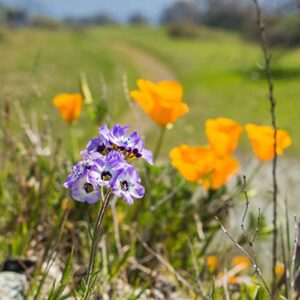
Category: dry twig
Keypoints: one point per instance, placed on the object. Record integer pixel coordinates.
(296, 240)
(268, 73)
(247, 203)
(253, 260)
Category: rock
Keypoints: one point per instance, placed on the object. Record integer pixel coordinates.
(12, 286)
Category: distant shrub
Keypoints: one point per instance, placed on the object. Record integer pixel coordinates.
(183, 30)
(16, 17)
(285, 32)
(97, 19)
(44, 22)
(181, 12)
(138, 19)
(283, 29)
(228, 15)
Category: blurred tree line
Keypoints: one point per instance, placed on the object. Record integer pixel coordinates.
(283, 23)
(184, 17)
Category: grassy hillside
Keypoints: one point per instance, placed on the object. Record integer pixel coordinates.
(219, 71)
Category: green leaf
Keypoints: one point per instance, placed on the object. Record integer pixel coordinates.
(262, 294)
(85, 89)
(120, 266)
(65, 279)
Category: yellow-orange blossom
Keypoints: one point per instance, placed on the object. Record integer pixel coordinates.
(211, 166)
(162, 101)
(69, 106)
(200, 164)
(262, 139)
(223, 135)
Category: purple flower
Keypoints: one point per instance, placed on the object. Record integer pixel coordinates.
(85, 190)
(106, 164)
(128, 185)
(82, 187)
(106, 170)
(116, 139)
(91, 157)
(97, 145)
(131, 145)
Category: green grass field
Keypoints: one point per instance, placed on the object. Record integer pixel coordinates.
(220, 73)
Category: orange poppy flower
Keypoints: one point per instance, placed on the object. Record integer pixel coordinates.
(223, 169)
(212, 262)
(279, 269)
(262, 139)
(192, 162)
(69, 106)
(229, 278)
(241, 261)
(162, 101)
(200, 164)
(233, 280)
(223, 135)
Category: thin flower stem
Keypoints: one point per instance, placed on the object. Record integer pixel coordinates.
(74, 141)
(95, 240)
(159, 142)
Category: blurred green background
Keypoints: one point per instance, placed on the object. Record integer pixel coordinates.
(217, 59)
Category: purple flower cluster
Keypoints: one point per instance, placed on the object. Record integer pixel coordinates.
(106, 163)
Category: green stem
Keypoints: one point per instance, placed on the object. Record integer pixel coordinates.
(159, 142)
(91, 111)
(73, 141)
(95, 240)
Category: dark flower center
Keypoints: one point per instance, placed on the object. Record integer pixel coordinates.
(88, 188)
(124, 185)
(101, 149)
(106, 176)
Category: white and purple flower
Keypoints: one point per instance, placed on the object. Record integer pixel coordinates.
(132, 145)
(106, 164)
(108, 169)
(81, 185)
(128, 185)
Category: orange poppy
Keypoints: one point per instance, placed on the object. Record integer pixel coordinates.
(200, 164)
(162, 101)
(212, 262)
(69, 106)
(233, 280)
(192, 162)
(279, 269)
(241, 261)
(223, 135)
(262, 139)
(229, 278)
(223, 169)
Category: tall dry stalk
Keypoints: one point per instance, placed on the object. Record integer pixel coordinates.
(272, 100)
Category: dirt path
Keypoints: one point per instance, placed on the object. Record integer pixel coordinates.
(148, 67)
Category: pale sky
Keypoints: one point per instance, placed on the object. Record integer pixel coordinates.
(119, 9)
